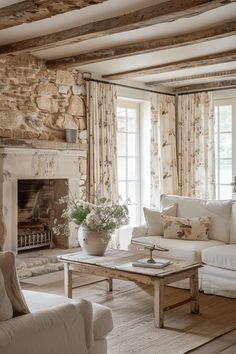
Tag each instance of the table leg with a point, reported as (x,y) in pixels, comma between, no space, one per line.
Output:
(194,291)
(158,304)
(109,284)
(67,281)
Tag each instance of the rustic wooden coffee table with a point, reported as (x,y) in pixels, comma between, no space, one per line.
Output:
(117,264)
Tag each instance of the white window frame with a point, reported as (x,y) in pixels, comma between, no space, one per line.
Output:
(217,103)
(142,153)
(130,104)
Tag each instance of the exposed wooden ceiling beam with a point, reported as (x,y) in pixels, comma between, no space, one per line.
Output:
(164,12)
(217,58)
(214,76)
(219,31)
(206,86)
(34,10)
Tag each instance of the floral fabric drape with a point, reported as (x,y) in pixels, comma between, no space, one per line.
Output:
(196,145)
(102,125)
(164,177)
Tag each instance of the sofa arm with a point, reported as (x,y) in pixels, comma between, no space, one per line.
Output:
(139,231)
(60,330)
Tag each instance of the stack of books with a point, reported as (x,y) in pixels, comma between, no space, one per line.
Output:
(159,263)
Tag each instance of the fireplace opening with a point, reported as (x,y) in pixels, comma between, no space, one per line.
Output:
(38,207)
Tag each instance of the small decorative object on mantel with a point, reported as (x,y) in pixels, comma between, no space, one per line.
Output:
(151,262)
(71,130)
(97,222)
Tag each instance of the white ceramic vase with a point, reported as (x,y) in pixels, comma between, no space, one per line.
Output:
(93,242)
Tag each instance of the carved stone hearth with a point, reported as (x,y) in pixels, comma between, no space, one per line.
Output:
(19,164)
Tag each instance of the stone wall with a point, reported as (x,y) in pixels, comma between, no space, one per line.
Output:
(38,103)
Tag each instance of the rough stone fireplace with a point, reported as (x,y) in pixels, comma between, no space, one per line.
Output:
(32,181)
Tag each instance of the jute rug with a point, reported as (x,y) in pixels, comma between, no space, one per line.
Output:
(135,333)
(132,309)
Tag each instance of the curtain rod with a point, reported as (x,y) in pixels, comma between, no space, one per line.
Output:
(206,90)
(127,86)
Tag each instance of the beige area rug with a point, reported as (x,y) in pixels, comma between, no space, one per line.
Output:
(135,332)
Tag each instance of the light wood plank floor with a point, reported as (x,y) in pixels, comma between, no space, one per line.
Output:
(134,331)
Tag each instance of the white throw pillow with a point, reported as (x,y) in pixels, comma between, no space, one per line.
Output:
(12,286)
(195,229)
(6,311)
(153,219)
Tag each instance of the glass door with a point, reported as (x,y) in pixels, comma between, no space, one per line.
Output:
(225,147)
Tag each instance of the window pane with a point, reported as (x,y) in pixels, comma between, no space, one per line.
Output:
(121,168)
(225,171)
(121,144)
(225,118)
(225,192)
(131,168)
(131,145)
(121,119)
(131,192)
(131,120)
(226,145)
(122,192)
(132,214)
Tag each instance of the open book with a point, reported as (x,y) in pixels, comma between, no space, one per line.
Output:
(160,263)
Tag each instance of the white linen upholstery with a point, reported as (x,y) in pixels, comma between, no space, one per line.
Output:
(139,231)
(178,249)
(56,325)
(100,315)
(219,211)
(12,286)
(153,219)
(233,224)
(6,310)
(221,256)
(218,281)
(59,330)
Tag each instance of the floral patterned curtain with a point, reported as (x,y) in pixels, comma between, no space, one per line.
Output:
(164,177)
(196,145)
(102,106)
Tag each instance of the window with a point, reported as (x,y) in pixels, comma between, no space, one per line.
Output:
(224,148)
(128,119)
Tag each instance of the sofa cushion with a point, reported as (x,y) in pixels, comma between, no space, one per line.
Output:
(221,256)
(12,286)
(6,311)
(153,219)
(220,212)
(178,249)
(186,228)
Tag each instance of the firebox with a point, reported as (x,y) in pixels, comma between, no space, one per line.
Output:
(38,207)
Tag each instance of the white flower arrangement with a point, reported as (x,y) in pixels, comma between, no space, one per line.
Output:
(104,216)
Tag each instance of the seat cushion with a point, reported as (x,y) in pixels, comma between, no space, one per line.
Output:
(220,212)
(179,249)
(220,256)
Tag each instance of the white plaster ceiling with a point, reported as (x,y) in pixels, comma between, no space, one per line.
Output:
(113,8)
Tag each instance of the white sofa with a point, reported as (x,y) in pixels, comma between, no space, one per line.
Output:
(56,325)
(218,254)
